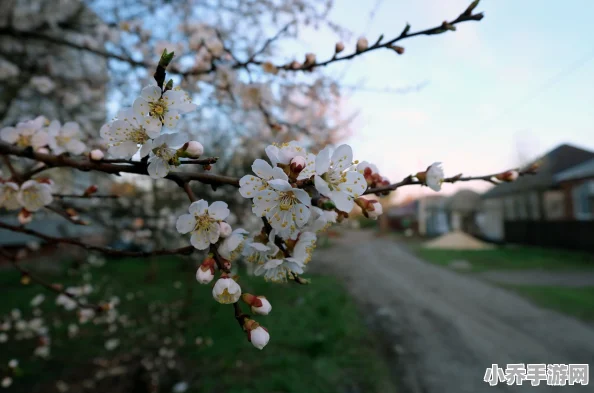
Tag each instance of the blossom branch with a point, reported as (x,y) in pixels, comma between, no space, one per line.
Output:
(105,250)
(56,288)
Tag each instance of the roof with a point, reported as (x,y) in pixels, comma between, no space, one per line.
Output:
(554,162)
(581,171)
(405,209)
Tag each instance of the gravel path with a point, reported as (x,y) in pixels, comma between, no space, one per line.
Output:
(444,329)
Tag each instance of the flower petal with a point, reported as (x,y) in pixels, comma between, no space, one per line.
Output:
(185,223)
(323,161)
(281,185)
(342,201)
(342,157)
(262,169)
(198,208)
(141,106)
(303,196)
(218,210)
(151,93)
(214,231)
(199,240)
(249,185)
(322,186)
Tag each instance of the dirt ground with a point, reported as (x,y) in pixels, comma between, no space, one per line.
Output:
(442,329)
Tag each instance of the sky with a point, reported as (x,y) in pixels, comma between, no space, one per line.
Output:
(497,92)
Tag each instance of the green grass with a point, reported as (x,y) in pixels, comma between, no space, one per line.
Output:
(572,301)
(511,258)
(318,341)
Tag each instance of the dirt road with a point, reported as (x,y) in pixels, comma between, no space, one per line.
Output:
(444,329)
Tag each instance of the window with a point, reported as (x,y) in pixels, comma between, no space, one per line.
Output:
(583,201)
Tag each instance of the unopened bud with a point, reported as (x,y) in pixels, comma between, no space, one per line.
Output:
(339,47)
(43,150)
(297,164)
(225,229)
(96,155)
(310,59)
(25,216)
(295,65)
(260,305)
(91,190)
(257,334)
(194,149)
(398,49)
(507,176)
(370,207)
(169,85)
(362,44)
(269,68)
(205,274)
(72,213)
(226,290)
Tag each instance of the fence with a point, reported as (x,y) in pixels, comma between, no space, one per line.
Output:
(573,235)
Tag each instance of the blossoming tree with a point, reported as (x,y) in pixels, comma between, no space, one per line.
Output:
(294,192)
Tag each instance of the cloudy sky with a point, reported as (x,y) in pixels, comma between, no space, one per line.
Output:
(510,87)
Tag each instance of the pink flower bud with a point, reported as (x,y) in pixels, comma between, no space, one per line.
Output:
(91,190)
(204,274)
(264,308)
(362,44)
(97,155)
(310,59)
(339,47)
(297,164)
(195,149)
(225,229)
(25,216)
(508,176)
(374,210)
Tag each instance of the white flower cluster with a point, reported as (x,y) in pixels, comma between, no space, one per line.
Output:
(32,195)
(40,133)
(139,130)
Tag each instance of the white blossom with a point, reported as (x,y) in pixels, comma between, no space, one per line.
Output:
(434,176)
(259,253)
(8,196)
(166,108)
(180,387)
(259,337)
(363,165)
(37,300)
(280,268)
(376,212)
(320,220)
(304,247)
(284,153)
(250,185)
(66,302)
(203,222)
(264,309)
(13,363)
(163,151)
(43,351)
(285,207)
(3,337)
(26,133)
(34,195)
(66,138)
(333,179)
(226,291)
(6,382)
(112,344)
(72,330)
(43,84)
(232,246)
(128,132)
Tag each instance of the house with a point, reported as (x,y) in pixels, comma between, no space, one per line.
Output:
(462,209)
(577,184)
(403,216)
(518,211)
(432,215)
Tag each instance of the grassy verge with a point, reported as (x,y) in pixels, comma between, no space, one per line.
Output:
(318,342)
(511,258)
(572,301)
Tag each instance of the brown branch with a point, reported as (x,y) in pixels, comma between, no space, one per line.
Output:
(52,287)
(105,250)
(28,35)
(15,175)
(188,189)
(84,164)
(64,214)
